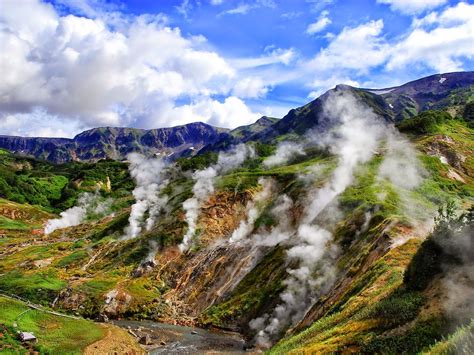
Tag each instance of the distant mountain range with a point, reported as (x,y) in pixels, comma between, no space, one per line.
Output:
(395,104)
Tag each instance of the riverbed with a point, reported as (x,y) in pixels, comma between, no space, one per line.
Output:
(168,338)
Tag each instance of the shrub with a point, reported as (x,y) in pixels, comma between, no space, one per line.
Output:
(425,122)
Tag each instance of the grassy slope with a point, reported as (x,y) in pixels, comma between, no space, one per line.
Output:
(55,334)
(344,325)
(376,313)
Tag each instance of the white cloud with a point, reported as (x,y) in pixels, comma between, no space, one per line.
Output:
(410,7)
(216,2)
(33,125)
(244,8)
(233,112)
(251,87)
(80,70)
(319,25)
(273,56)
(438,41)
(357,48)
(184,8)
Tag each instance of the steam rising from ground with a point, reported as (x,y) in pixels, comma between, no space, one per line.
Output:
(354,134)
(458,276)
(149,177)
(87,204)
(285,151)
(253,211)
(204,186)
(400,165)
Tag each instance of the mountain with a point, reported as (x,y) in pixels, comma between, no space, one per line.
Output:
(441,91)
(116,143)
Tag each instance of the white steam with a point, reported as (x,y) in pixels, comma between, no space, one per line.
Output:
(400,164)
(87,204)
(283,230)
(254,208)
(204,187)
(149,177)
(355,134)
(284,152)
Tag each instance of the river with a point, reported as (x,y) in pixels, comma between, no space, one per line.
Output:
(168,338)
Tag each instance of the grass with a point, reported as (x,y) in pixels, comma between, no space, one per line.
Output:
(40,287)
(7,223)
(73,259)
(366,308)
(460,342)
(56,335)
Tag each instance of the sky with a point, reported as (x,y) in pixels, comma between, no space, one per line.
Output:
(71,65)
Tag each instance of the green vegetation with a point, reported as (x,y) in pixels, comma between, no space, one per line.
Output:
(56,187)
(426,122)
(39,286)
(7,223)
(444,248)
(421,335)
(55,334)
(461,342)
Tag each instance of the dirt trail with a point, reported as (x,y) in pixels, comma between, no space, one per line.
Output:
(117,341)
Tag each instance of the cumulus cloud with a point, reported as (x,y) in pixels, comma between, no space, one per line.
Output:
(410,7)
(251,87)
(211,111)
(320,24)
(86,70)
(357,48)
(440,41)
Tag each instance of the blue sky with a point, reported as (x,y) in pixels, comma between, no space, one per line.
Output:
(76,64)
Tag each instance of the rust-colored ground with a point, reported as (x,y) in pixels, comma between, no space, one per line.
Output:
(116,341)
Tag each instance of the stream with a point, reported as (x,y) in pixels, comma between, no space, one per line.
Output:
(168,338)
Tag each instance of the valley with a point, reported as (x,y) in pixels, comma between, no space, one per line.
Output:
(321,232)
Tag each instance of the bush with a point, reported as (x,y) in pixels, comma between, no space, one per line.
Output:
(397,309)
(426,122)
(423,334)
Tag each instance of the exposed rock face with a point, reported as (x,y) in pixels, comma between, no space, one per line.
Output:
(116,143)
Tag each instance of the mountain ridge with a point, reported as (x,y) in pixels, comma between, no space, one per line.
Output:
(395,104)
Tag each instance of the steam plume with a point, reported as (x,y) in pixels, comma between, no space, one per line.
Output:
(149,177)
(204,186)
(253,211)
(285,151)
(87,204)
(355,134)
